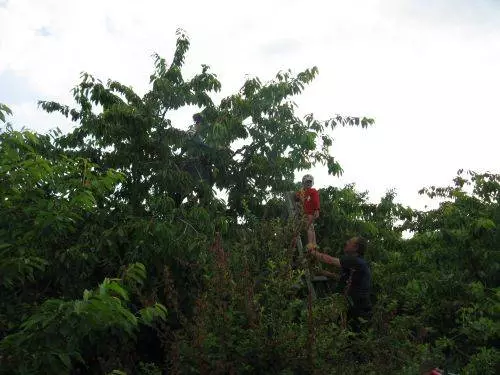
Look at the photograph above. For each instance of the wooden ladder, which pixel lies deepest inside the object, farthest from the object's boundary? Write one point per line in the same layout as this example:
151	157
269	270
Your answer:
295	213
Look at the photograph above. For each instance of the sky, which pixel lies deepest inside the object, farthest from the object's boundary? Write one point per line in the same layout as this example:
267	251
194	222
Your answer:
427	71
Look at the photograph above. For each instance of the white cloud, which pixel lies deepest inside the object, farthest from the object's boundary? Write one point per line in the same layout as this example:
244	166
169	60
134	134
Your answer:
426	70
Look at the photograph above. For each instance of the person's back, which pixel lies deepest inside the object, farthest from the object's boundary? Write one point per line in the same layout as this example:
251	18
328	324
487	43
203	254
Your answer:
356	279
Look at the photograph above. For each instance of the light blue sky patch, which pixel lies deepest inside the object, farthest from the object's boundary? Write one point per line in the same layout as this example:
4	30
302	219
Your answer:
15	89
43	31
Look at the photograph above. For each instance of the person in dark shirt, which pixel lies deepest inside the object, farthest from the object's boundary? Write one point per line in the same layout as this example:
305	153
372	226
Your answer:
355	278
198	152
195	159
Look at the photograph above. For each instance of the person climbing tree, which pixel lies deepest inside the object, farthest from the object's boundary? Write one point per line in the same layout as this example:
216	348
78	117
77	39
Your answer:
309	197
197	132
196	157
355	279
428	368
195	146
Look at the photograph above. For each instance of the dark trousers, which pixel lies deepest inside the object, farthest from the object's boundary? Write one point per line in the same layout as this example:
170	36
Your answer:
353	318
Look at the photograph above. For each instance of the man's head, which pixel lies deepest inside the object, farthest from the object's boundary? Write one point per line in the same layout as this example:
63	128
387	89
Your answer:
355	246
307	181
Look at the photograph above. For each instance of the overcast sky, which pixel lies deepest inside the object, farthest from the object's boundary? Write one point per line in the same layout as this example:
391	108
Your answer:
428	71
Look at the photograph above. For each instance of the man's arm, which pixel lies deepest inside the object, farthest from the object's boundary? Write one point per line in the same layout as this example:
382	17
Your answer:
325	258
329	274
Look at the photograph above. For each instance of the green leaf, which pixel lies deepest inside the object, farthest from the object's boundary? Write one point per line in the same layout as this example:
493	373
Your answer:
149	314
115	287
484	223
4	110
136	272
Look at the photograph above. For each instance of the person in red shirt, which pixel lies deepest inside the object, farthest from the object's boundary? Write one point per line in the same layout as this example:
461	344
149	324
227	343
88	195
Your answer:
428	368
309	197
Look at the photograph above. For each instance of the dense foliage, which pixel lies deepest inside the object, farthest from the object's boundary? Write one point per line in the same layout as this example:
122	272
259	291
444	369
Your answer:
117	256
